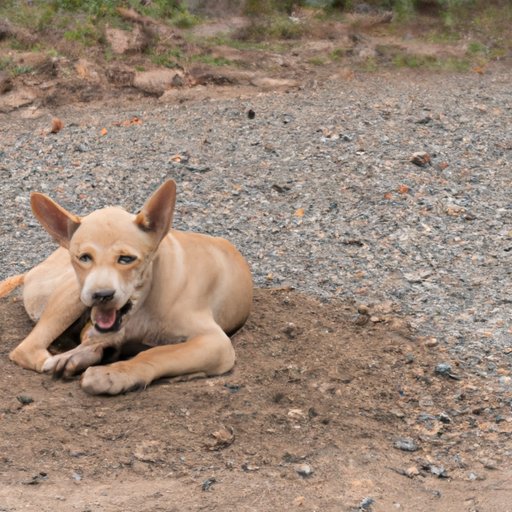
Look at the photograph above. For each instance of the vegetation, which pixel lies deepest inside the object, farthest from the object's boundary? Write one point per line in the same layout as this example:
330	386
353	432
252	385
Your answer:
483	26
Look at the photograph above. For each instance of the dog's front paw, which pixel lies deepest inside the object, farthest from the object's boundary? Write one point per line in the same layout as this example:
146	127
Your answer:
74	361
110	380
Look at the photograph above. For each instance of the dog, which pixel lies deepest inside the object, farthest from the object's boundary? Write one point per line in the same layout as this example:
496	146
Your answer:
138	283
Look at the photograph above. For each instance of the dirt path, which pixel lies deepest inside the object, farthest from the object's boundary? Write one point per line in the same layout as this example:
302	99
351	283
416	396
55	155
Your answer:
310	419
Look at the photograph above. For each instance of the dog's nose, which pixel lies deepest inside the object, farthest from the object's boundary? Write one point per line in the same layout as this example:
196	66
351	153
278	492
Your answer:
103	295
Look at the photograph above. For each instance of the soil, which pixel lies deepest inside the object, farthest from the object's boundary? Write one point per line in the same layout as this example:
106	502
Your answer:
317	415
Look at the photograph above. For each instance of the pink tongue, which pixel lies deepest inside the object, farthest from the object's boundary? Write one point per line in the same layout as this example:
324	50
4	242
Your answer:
105	319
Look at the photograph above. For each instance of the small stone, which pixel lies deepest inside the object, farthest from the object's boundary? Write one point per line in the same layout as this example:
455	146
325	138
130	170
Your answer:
438	471
366	503
443	369
290	329
406	444
304	470
490	464
431	342
412	471
444	418
363	309
222	438
208	483
249	467
421	159
25	399
424	120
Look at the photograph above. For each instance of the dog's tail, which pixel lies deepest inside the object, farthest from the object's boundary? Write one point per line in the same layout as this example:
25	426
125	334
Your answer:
10	284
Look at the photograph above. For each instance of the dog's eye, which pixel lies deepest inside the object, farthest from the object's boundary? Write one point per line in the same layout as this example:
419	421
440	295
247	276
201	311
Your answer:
85	258
126	260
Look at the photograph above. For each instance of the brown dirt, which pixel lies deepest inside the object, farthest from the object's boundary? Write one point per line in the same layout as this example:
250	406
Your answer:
315	384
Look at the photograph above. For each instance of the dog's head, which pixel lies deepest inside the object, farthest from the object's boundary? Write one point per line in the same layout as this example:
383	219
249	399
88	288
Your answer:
111	251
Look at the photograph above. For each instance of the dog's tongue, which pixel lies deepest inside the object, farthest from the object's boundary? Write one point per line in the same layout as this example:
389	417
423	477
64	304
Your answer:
105	319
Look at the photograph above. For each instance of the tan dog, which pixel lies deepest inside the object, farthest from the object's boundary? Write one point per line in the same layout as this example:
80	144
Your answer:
138	283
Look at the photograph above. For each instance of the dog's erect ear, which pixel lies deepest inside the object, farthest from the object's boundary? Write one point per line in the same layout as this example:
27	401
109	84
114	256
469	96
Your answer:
156	215
56	220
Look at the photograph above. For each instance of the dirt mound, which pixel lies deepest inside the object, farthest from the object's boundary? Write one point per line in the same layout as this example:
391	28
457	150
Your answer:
327	409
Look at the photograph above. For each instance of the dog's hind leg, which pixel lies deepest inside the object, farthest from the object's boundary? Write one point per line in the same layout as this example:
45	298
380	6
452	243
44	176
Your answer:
61	310
206	354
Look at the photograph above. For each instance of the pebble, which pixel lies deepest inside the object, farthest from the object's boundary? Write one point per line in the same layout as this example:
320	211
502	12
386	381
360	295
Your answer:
25	399
443	369
366	504
406	444
304	470
431	342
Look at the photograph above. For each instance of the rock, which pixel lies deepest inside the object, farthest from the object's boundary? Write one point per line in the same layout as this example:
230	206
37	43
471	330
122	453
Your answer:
489	463
120	75
5	82
223	438
421	159
249	467
124	41
17	98
438	471
406	444
25	399
290	330
77	477
207	75
304	470
274	83
36	479
208	483
86	70
366	504
412	471
363	309
431	342
444	418
443	369
296	414
157	81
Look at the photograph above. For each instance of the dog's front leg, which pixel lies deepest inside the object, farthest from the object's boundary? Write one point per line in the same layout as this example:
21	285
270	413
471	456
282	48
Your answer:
93	348
206	354
63	308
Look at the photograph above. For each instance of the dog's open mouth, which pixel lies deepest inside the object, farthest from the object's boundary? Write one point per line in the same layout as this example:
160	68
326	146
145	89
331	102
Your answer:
109	320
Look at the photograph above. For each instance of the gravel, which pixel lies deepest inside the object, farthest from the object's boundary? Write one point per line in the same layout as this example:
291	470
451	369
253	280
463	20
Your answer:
316	187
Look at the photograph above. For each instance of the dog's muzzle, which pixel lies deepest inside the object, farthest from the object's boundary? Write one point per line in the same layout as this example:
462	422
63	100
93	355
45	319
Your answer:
109	320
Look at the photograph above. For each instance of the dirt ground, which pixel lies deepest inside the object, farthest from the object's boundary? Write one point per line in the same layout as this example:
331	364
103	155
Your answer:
316	415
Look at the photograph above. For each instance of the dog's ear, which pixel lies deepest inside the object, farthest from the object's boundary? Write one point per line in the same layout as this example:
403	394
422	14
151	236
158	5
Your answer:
156	215
56	220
